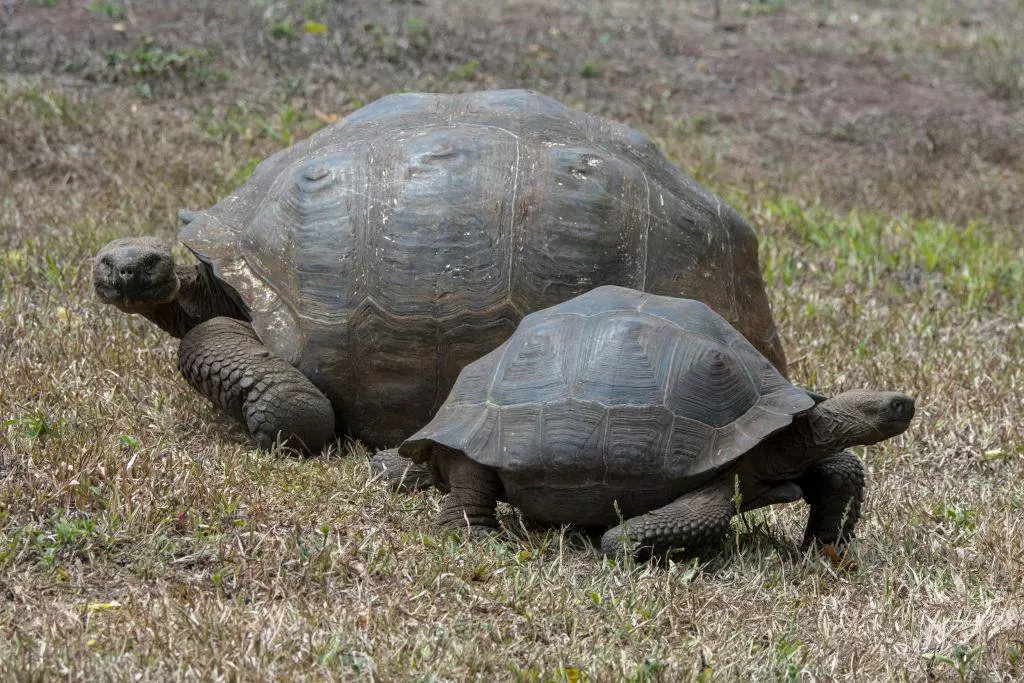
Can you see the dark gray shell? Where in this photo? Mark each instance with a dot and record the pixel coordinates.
(387, 251)
(614, 386)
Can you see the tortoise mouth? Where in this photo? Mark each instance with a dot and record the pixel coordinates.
(886, 429)
(134, 276)
(135, 299)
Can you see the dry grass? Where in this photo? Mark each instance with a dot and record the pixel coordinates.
(141, 537)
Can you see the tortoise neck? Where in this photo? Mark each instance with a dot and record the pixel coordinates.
(200, 297)
(809, 438)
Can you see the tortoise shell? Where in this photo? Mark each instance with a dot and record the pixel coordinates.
(387, 251)
(614, 396)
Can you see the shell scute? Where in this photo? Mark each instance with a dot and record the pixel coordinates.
(534, 367)
(624, 359)
(571, 431)
(709, 384)
(519, 437)
(690, 444)
(638, 439)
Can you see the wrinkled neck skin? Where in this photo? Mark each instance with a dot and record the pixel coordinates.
(200, 298)
(790, 452)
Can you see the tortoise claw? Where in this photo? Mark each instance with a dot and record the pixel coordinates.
(839, 558)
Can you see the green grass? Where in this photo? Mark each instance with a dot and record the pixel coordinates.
(112, 10)
(141, 536)
(465, 72)
(997, 62)
(151, 60)
(970, 262)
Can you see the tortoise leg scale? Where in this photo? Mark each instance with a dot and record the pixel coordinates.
(691, 521)
(401, 474)
(225, 361)
(834, 488)
(473, 496)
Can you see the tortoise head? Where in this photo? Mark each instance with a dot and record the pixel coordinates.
(135, 273)
(860, 418)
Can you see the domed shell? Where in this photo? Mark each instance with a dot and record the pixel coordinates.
(617, 383)
(389, 250)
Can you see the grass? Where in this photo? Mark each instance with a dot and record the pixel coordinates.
(142, 537)
(998, 64)
(149, 60)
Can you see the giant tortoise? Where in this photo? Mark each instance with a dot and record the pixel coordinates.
(624, 406)
(355, 273)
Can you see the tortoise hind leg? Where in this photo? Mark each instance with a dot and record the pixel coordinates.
(694, 520)
(834, 488)
(225, 361)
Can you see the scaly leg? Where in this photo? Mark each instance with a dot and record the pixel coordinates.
(473, 495)
(225, 361)
(834, 488)
(693, 520)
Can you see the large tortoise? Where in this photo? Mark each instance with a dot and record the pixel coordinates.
(621, 405)
(358, 271)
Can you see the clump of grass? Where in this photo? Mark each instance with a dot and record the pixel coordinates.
(112, 10)
(590, 70)
(760, 7)
(417, 32)
(997, 62)
(149, 60)
(466, 71)
(284, 30)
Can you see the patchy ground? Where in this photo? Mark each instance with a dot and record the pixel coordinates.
(870, 104)
(875, 145)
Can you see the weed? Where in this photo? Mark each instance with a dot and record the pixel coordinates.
(35, 426)
(960, 518)
(313, 10)
(997, 62)
(762, 7)
(314, 28)
(150, 60)
(961, 659)
(284, 30)
(112, 10)
(465, 72)
(590, 70)
(384, 41)
(417, 32)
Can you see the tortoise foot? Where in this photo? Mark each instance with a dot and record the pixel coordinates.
(400, 474)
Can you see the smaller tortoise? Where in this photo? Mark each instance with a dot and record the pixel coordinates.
(619, 405)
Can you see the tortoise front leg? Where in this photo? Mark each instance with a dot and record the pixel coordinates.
(834, 488)
(225, 361)
(400, 473)
(691, 521)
